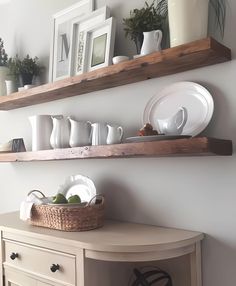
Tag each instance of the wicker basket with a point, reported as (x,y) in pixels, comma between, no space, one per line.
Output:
(69,218)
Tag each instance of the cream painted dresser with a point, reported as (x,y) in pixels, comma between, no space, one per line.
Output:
(34,256)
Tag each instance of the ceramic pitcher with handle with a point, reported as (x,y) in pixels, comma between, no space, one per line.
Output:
(80,133)
(173,125)
(151,42)
(99,133)
(115,134)
(41,130)
(60,132)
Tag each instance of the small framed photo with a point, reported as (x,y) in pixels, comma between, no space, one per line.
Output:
(78,42)
(100,42)
(61,48)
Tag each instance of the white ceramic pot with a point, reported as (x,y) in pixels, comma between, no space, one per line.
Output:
(4,71)
(11,86)
(188,20)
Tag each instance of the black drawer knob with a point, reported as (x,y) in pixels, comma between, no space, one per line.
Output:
(14,255)
(55,267)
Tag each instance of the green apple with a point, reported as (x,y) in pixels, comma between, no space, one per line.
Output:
(59,199)
(74,200)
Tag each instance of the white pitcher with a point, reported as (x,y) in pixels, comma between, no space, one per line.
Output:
(99,133)
(151,42)
(41,130)
(173,125)
(115,134)
(60,132)
(80,133)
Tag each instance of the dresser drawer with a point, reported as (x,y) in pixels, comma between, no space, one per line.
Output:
(52,265)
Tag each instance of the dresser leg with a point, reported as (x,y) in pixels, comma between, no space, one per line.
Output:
(196,266)
(80,268)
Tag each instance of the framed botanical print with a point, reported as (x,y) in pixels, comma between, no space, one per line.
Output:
(61,48)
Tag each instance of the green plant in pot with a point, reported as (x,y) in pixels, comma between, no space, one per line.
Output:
(188,19)
(142,20)
(14,65)
(29,67)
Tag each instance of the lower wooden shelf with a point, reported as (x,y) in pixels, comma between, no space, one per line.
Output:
(198,146)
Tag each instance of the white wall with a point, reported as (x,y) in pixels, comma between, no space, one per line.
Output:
(191,193)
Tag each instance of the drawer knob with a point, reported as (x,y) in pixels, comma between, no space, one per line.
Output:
(14,255)
(55,267)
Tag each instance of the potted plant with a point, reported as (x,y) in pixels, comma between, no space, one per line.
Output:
(142,20)
(188,19)
(29,68)
(3,68)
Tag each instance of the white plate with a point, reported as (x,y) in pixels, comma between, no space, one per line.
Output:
(194,97)
(78,185)
(155,138)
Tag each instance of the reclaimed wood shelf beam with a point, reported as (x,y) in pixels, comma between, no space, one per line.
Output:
(189,56)
(199,146)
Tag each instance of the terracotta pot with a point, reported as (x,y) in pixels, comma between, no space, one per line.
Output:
(188,20)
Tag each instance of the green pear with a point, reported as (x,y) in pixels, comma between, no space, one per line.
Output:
(74,200)
(59,199)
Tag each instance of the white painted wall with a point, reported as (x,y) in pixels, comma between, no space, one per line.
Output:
(191,193)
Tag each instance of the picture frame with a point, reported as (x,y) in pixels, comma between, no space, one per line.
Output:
(79,38)
(100,41)
(61,48)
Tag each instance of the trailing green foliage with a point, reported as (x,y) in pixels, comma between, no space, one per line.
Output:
(3,54)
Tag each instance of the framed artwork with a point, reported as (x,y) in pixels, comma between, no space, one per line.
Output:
(61,48)
(79,38)
(100,42)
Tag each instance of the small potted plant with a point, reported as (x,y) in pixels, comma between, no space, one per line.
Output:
(29,67)
(146,19)
(3,68)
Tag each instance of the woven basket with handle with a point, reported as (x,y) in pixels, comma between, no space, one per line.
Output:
(69,217)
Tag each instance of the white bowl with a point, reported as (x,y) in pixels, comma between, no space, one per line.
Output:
(119,59)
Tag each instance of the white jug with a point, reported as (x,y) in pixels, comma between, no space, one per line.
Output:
(115,134)
(80,133)
(99,133)
(41,131)
(173,125)
(60,132)
(151,42)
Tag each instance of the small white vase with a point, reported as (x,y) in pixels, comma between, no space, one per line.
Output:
(188,20)
(11,86)
(4,71)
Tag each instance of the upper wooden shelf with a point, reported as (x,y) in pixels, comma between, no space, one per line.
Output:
(199,146)
(166,62)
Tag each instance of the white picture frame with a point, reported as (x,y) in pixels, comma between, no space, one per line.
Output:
(100,41)
(80,27)
(61,38)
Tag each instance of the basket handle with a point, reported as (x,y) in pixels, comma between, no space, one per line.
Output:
(37,191)
(95,197)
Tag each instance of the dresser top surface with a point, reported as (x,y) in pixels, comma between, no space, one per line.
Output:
(115,236)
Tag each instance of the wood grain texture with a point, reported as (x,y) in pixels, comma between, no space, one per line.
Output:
(198,146)
(166,62)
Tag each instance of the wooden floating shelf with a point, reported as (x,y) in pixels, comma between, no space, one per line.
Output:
(199,146)
(166,62)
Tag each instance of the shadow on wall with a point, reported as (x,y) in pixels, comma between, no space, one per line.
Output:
(123,203)
(220,259)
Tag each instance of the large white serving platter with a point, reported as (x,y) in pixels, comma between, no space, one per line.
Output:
(194,97)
